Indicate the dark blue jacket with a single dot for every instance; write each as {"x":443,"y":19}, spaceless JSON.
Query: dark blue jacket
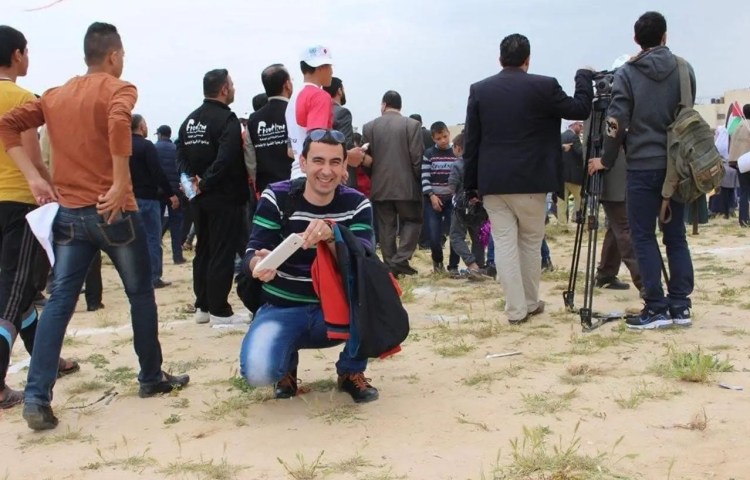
{"x":168,"y":159}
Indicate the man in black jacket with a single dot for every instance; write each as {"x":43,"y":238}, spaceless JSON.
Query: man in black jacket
{"x":513,"y":158}
{"x":342,"y":121}
{"x":572,"y":157}
{"x":148,"y":177}
{"x":266,"y":144}
{"x":645,"y":95}
{"x":210,"y":152}
{"x":168,"y":159}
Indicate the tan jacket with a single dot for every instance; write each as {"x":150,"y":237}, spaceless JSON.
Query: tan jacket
{"x":396,"y":148}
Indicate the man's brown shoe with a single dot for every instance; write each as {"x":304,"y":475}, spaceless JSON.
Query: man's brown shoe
{"x":287,"y":386}
{"x":356,"y":385}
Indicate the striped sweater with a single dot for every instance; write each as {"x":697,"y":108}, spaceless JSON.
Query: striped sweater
{"x":436,"y":168}
{"x":292,"y":285}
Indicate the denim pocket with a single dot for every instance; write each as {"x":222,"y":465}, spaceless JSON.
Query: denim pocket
{"x":62,"y":233}
{"x":119,"y":233}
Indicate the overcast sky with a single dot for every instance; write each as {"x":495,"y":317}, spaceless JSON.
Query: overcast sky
{"x":428,"y":50}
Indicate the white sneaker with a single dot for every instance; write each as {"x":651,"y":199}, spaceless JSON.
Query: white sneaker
{"x":201,"y":316}
{"x":235,"y":319}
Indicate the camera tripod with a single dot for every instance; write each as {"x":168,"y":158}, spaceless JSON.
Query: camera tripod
{"x":587,"y":216}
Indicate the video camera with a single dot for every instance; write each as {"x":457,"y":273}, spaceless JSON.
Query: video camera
{"x":603,"y":82}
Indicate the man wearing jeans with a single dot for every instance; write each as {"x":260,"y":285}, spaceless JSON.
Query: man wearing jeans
{"x":292,"y":318}
{"x":645,"y":95}
{"x":89,"y":127}
{"x":148,"y":177}
{"x":513,"y":157}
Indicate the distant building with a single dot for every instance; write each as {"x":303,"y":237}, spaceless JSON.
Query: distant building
{"x":714,"y":110}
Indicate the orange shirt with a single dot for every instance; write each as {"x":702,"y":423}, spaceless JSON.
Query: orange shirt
{"x":88,"y":122}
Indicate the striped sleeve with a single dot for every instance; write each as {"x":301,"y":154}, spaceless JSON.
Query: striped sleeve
{"x":266,"y":228}
{"x":426,"y":175}
{"x":361,"y":223}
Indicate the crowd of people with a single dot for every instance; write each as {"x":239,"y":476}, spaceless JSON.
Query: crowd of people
{"x":297,"y":165}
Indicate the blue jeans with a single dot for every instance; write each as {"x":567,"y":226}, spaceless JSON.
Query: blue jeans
{"x":270,"y":347}
{"x":437,"y":223}
{"x":546,"y":256}
{"x":78,"y":233}
{"x":150,"y":211}
{"x":643,"y":203}
{"x":174,"y":223}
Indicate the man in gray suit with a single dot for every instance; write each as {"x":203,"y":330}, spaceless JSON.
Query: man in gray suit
{"x":395,"y":159}
{"x":342,"y":121}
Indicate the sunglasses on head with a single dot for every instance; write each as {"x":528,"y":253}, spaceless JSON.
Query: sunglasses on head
{"x":321,"y":133}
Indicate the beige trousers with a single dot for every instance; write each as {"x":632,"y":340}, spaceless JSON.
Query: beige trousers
{"x":518,"y":230}
{"x":562,"y":203}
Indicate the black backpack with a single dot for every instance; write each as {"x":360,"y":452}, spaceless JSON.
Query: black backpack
{"x":381,"y":321}
{"x":249,"y":288}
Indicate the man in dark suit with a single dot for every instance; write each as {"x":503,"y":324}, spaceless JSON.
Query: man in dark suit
{"x":513,"y":158}
{"x":572,"y":170}
{"x":395,"y":157}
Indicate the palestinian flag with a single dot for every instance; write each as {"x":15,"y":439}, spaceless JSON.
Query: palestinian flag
{"x":734,"y":118}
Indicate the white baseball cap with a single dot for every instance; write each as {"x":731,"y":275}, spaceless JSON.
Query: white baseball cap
{"x":316,"y":56}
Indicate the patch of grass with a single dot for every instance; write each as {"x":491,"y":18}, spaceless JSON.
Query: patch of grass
{"x":236,"y":405}
{"x":487,"y":378}
{"x":407,"y":289}
{"x":744,"y":306}
{"x":304,"y":470}
{"x":67,"y":437}
{"x":594,"y":342}
{"x":721,"y":347}
{"x":72,"y":341}
{"x":231,"y":332}
{"x":453,"y":350}
{"x":547,"y":402}
{"x":735,"y":332}
{"x":87,"y":386}
{"x":180,"y":402}
{"x":133,"y":463}
{"x":121,"y":375}
{"x":464,"y":420}
{"x":324,"y":385}
{"x":350,"y":466}
{"x":718,"y":270}
{"x":643,"y":392}
{"x":579,"y":373}
{"x":338,"y":413}
{"x":182,"y":366}
{"x":691,"y":366}
{"x":172,"y":419}
{"x":97,"y":359}
{"x":557,"y":275}
{"x":448,"y":306}
{"x":238,"y":382}
{"x":728,"y":292}
{"x":105,"y":320}
{"x":382,"y":475}
{"x":534,"y":459}
{"x":222,"y":470}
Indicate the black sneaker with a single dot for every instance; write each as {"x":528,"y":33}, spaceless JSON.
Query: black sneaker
{"x":649,"y":320}
{"x":39,"y":417}
{"x":612,"y":283}
{"x":161,"y":283}
{"x":547,"y":266}
{"x":356,"y":385}
{"x":437,"y":267}
{"x":403,"y":269}
{"x":287,"y":386}
{"x":538,"y":311}
{"x":491,"y":270}
{"x":166,"y":385}
{"x":93,"y":308}
{"x":681,"y":316}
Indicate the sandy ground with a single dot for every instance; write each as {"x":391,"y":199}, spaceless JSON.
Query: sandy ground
{"x":445,"y":410}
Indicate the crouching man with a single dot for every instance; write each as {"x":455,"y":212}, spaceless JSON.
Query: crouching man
{"x":291,"y":317}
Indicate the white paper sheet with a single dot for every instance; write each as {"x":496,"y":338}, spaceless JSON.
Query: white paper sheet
{"x":40,"y":221}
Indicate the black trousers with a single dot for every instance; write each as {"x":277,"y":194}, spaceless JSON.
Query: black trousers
{"x":219,"y":228}
{"x":618,"y":247}
{"x":18,"y":258}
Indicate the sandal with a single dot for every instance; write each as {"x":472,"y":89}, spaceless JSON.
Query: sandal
{"x":12,"y":398}
{"x":73,"y":368}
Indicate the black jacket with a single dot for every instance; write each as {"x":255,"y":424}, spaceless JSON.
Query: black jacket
{"x":268,"y":136}
{"x":573,"y":158}
{"x":512,"y":132}
{"x":210,"y":146}
{"x":146,"y":172}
